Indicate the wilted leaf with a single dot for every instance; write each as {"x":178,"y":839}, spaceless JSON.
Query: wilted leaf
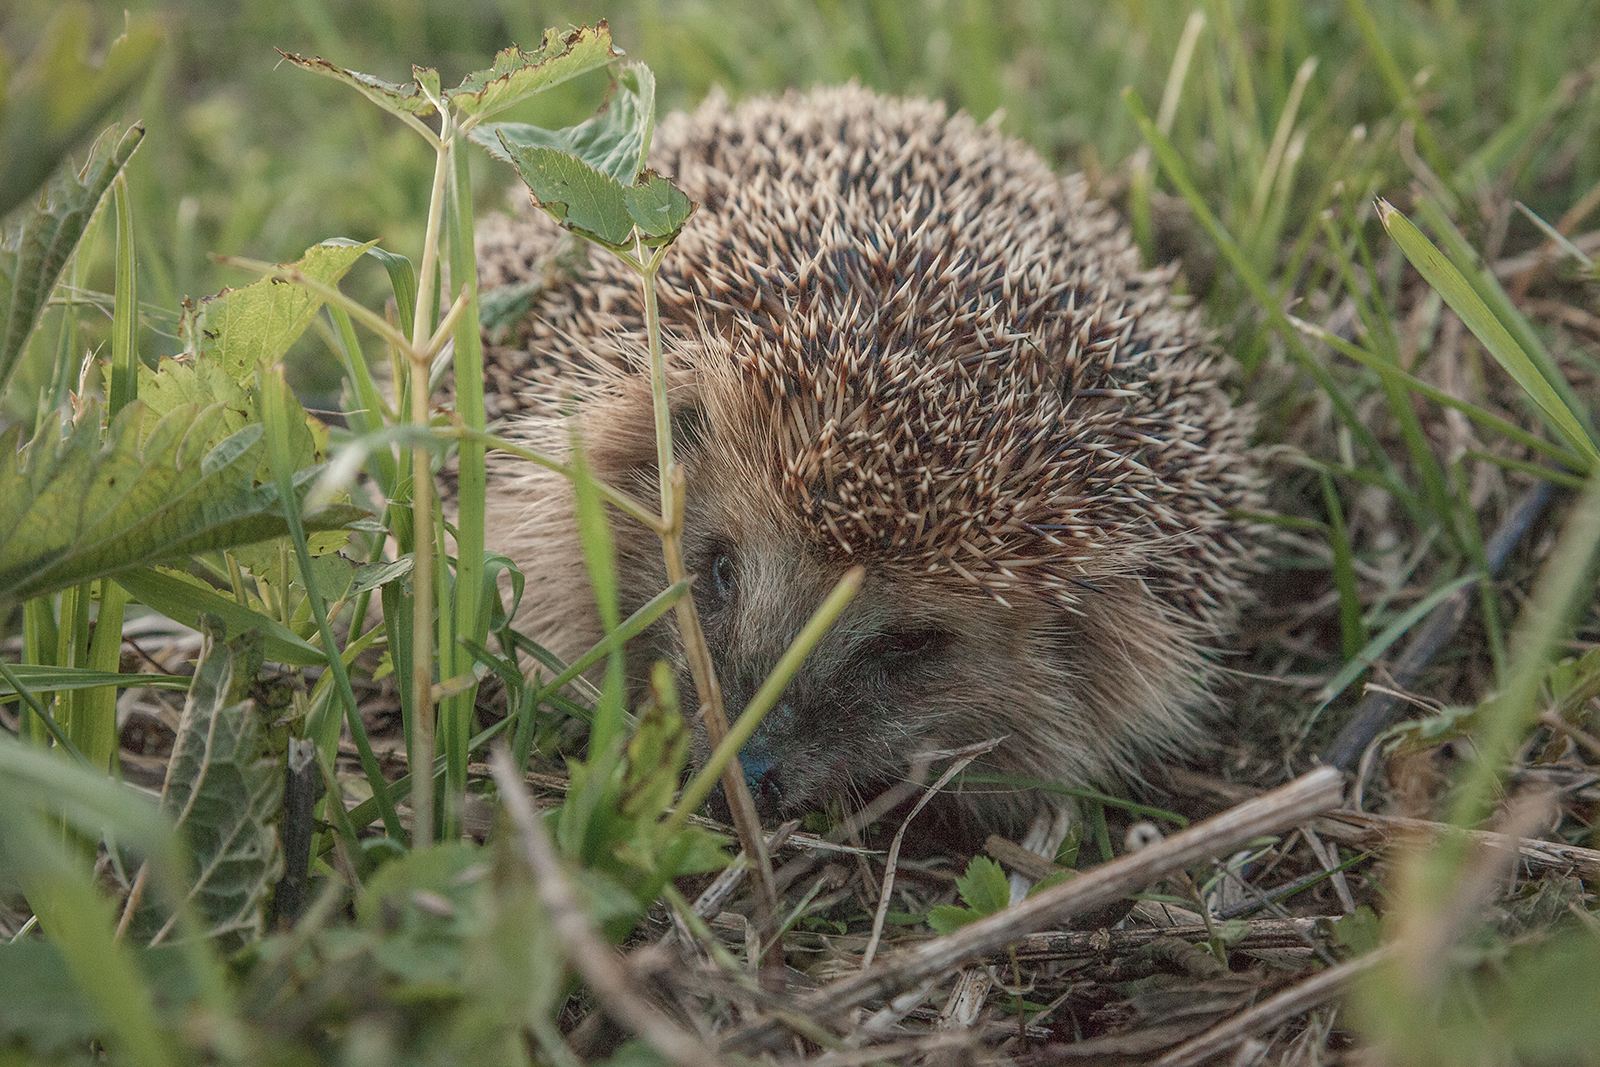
{"x":254,"y":325}
{"x":104,"y":499}
{"x":517,"y":75}
{"x":224,"y":792}
{"x":56,"y":98}
{"x":393,"y":97}
{"x":36,"y":241}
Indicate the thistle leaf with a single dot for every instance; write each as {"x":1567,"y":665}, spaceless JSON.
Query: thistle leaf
{"x":37,"y":240}
{"x":101,"y":499}
{"x":223,"y":792}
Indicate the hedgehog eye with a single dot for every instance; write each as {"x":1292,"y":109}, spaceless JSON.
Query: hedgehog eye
{"x":723,"y":577}
{"x":901,"y":645}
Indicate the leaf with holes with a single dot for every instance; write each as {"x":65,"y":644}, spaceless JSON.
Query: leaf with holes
{"x":254,"y":325}
{"x":517,"y":75}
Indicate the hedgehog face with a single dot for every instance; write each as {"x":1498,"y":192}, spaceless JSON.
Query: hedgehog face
{"x":917,"y":664}
{"x":863,"y":702}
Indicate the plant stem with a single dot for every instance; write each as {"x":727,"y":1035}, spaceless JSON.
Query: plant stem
{"x":421,"y":753}
{"x":745,"y":820}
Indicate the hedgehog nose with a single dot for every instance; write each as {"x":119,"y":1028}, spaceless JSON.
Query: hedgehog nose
{"x":761,"y":776}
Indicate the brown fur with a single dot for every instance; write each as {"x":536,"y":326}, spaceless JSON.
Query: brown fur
{"x":896,"y":339}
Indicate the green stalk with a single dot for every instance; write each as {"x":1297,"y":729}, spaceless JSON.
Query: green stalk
{"x":39,"y":636}
{"x":724,"y":757}
{"x":98,"y":707}
{"x":422,"y":726}
{"x":472,"y":481}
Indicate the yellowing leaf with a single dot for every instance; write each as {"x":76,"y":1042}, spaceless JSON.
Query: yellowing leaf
{"x":254,"y":325}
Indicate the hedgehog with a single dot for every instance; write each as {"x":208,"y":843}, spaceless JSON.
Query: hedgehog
{"x":895,"y":339}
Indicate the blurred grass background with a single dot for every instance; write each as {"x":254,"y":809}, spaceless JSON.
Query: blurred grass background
{"x":247,"y":156}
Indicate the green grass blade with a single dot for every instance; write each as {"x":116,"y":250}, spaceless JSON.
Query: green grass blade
{"x":1380,"y":644}
{"x":1565,"y":583}
{"x":274,"y":392}
{"x":1466,"y":260}
{"x":1464,"y":300}
{"x":185,"y":599}
{"x":1352,"y":628}
{"x":1173,"y":164}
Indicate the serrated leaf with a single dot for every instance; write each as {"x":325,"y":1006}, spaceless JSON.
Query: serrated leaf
{"x":223,"y":792}
{"x":398,"y":99}
{"x":614,"y":142}
{"x":573,"y":193}
{"x":203,"y":383}
{"x":517,"y":75}
{"x":55,"y":98}
{"x":657,"y":754}
{"x":98,"y":501}
{"x":657,"y":207}
{"x":37,"y":240}
{"x":254,"y":325}
{"x":947,"y":918}
{"x":984,"y":887}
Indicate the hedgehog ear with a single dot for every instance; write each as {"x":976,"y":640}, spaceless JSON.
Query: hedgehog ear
{"x":620,"y":435}
{"x":691,"y":429}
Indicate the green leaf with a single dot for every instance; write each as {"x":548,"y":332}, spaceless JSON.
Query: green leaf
{"x":573,"y":193}
{"x":224,"y":793}
{"x":403,"y":281}
{"x":203,"y":383}
{"x":36,"y":241}
{"x":39,"y":794}
{"x":657,"y":207}
{"x":657,"y":754}
{"x":584,"y":176}
{"x":615,"y":142}
{"x":517,"y":75}
{"x":947,"y":918}
{"x":1459,"y":294}
{"x":186,"y":598}
{"x":99,"y":500}
{"x":56,"y":98}
{"x":254,"y":325}
{"x":984,"y":887}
